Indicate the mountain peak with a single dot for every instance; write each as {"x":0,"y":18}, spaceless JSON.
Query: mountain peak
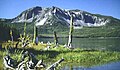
{"x":53,"y":14}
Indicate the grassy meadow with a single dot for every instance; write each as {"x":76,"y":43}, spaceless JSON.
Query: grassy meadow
{"x":77,"y":56}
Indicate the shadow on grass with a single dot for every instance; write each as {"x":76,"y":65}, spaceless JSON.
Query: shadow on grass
{"x":48,"y":53}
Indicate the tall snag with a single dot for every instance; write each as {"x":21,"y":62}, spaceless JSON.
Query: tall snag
{"x":70,"y":33}
{"x":55,"y":39}
{"x":35,"y":38}
{"x":11,"y":35}
{"x":24,"y":38}
{"x":24,"y":30}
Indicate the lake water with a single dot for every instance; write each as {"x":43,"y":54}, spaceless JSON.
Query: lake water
{"x":111,"y":44}
{"x":95,"y":43}
{"x":110,"y":66}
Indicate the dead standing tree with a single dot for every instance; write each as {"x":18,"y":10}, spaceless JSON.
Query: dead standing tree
{"x":24,"y":39}
{"x":55,"y":39}
{"x":11,"y":35}
{"x":70,"y":32}
{"x":35,"y":38}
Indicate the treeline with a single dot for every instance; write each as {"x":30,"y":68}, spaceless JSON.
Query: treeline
{"x":110,"y":30}
{"x":44,"y":29}
{"x":5,"y":29}
{"x":103,"y":31}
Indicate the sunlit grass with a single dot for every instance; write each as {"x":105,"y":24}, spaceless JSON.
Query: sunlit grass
{"x":77,"y":56}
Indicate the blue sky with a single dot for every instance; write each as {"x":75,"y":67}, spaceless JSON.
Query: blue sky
{"x":12,"y":8}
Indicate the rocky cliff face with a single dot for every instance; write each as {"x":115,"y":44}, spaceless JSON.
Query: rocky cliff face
{"x":43,"y":16}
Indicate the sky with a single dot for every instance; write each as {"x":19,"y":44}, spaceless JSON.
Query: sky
{"x":12,"y":8}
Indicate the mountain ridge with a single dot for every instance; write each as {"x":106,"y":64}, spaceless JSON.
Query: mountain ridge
{"x":53,"y":18}
{"x":43,"y":15}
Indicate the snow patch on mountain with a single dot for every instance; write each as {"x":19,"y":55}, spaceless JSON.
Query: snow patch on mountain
{"x":81,"y":18}
{"x":41,"y":22}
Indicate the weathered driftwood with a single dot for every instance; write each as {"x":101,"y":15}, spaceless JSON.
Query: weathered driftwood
{"x":21,"y":66}
{"x":9,"y":62}
{"x":54,"y":65}
{"x":40,"y":64}
{"x":31,"y":64}
{"x":34,"y":63}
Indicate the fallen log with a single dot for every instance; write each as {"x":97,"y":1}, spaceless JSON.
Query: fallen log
{"x":40,"y":64}
{"x":54,"y":65}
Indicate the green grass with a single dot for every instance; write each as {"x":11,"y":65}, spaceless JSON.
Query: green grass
{"x":76,"y":56}
{"x":87,"y":57}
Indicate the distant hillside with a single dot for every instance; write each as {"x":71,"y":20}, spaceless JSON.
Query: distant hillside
{"x":55,"y":19}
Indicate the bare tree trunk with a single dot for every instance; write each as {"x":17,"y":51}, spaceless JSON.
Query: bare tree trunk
{"x":34,"y":34}
{"x":24,"y":29}
{"x":11,"y":35}
{"x":70,"y":33}
{"x":70,"y":41}
{"x":55,"y":39}
{"x":35,"y":39}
